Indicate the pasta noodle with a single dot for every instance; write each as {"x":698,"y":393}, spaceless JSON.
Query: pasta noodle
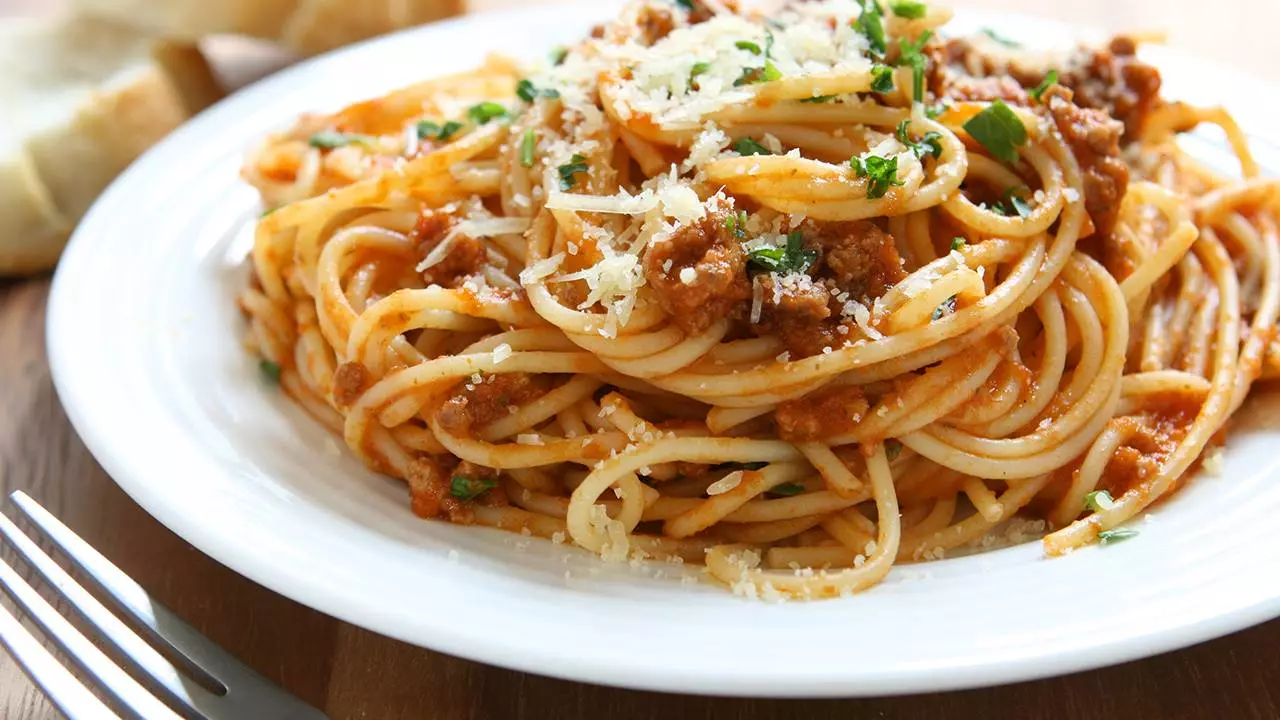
{"x":797,"y":296}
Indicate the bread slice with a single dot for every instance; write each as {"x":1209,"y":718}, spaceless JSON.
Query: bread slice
{"x":83,"y":98}
{"x":321,"y":25}
{"x":192,"y":20}
{"x":32,"y":231}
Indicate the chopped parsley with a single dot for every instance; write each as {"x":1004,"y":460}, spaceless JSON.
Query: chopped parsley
{"x":1116,"y":535}
{"x":695,"y":71}
{"x":871,"y":24}
{"x":528,"y":92}
{"x":881,"y":173}
{"x":909,"y":9}
{"x":484,"y":112}
{"x":736,"y":224}
{"x":527,"y":146}
{"x":913,"y":54}
{"x":819,"y":99}
{"x":686,"y":4}
{"x":934,"y":112}
{"x":267,"y":212}
{"x":927,"y":145}
{"x":1099,"y":500}
{"x":746,"y":146}
{"x":1000,"y":38}
{"x":270,"y":370}
{"x":787,"y":489}
{"x":958,"y":242}
{"x":999,"y":130}
{"x":558,"y":54}
{"x":568,"y":171}
{"x":753,"y":75}
{"x":468,"y":488}
{"x":892,"y":449}
{"x":795,"y":257}
{"x":428,"y":130}
{"x":1011,"y":203}
{"x":329,"y":139}
{"x":768,"y":73}
{"x":881,"y":78}
{"x":947,"y":307}
{"x":1050,"y":79}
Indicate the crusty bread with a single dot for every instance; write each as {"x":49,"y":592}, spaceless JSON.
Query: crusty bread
{"x":195,"y":19}
{"x":321,"y":25}
{"x":32,"y":231}
{"x":83,"y":98}
{"x":307,"y":27}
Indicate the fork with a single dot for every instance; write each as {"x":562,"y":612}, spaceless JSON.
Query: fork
{"x":201,"y":682}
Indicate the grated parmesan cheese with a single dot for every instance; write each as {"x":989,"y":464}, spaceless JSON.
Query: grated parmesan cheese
{"x":725,"y":484}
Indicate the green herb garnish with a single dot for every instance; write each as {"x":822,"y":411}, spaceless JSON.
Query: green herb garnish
{"x":428,"y":130}
{"x":1049,"y":81}
{"x":819,"y":99}
{"x":881,"y":78}
{"x":1099,"y":500}
{"x":695,"y":71}
{"x":958,"y":242}
{"x":749,"y":46}
{"x":1116,"y":535}
{"x":881,"y":173}
{"x":934,"y":112}
{"x":528,"y":92}
{"x":527,"y":146}
{"x":577,"y":164}
{"x":558,"y":54}
{"x":947,"y":307}
{"x":909,"y":9}
{"x":329,"y":139}
{"x":928,"y":144}
{"x":468,"y":488}
{"x":746,"y":146}
{"x":1000,"y":38}
{"x":736,"y":224}
{"x":1011,"y":203}
{"x":484,"y":112}
{"x":870,"y":23}
{"x":787,"y":489}
{"x":999,"y":130}
{"x":913,"y":54}
{"x":270,"y":370}
{"x":686,"y":4}
{"x":753,"y":75}
{"x":892,"y":449}
{"x":793,"y":258}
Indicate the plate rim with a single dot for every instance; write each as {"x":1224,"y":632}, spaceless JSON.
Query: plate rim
{"x":97,"y":437}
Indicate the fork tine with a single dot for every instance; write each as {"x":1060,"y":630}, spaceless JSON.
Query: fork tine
{"x":108,"y":626}
{"x":248,"y":694}
{"x":111,"y":679}
{"x":58,"y":684}
{"x":203,"y":656}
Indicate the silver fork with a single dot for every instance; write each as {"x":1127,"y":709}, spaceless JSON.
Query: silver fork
{"x":201,"y":682}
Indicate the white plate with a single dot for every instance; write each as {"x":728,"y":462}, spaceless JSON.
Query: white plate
{"x":144,"y":346}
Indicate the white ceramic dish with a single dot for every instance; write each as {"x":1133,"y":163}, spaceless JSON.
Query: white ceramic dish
{"x":144,"y":346}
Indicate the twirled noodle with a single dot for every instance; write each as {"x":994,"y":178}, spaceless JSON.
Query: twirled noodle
{"x":773,"y":295}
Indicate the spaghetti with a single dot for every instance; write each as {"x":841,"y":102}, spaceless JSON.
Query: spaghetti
{"x":797,"y":297}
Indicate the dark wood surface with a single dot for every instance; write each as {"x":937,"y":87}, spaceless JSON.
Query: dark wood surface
{"x":351,"y":673}
{"x":355,"y":674}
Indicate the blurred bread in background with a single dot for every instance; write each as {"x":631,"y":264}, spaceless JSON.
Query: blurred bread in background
{"x":306,"y":27}
{"x":85,"y":93}
{"x":83,"y":97}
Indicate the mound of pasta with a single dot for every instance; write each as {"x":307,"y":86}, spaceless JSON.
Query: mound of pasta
{"x":797,"y":296}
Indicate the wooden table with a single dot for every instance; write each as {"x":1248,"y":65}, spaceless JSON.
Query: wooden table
{"x":352,"y":673}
